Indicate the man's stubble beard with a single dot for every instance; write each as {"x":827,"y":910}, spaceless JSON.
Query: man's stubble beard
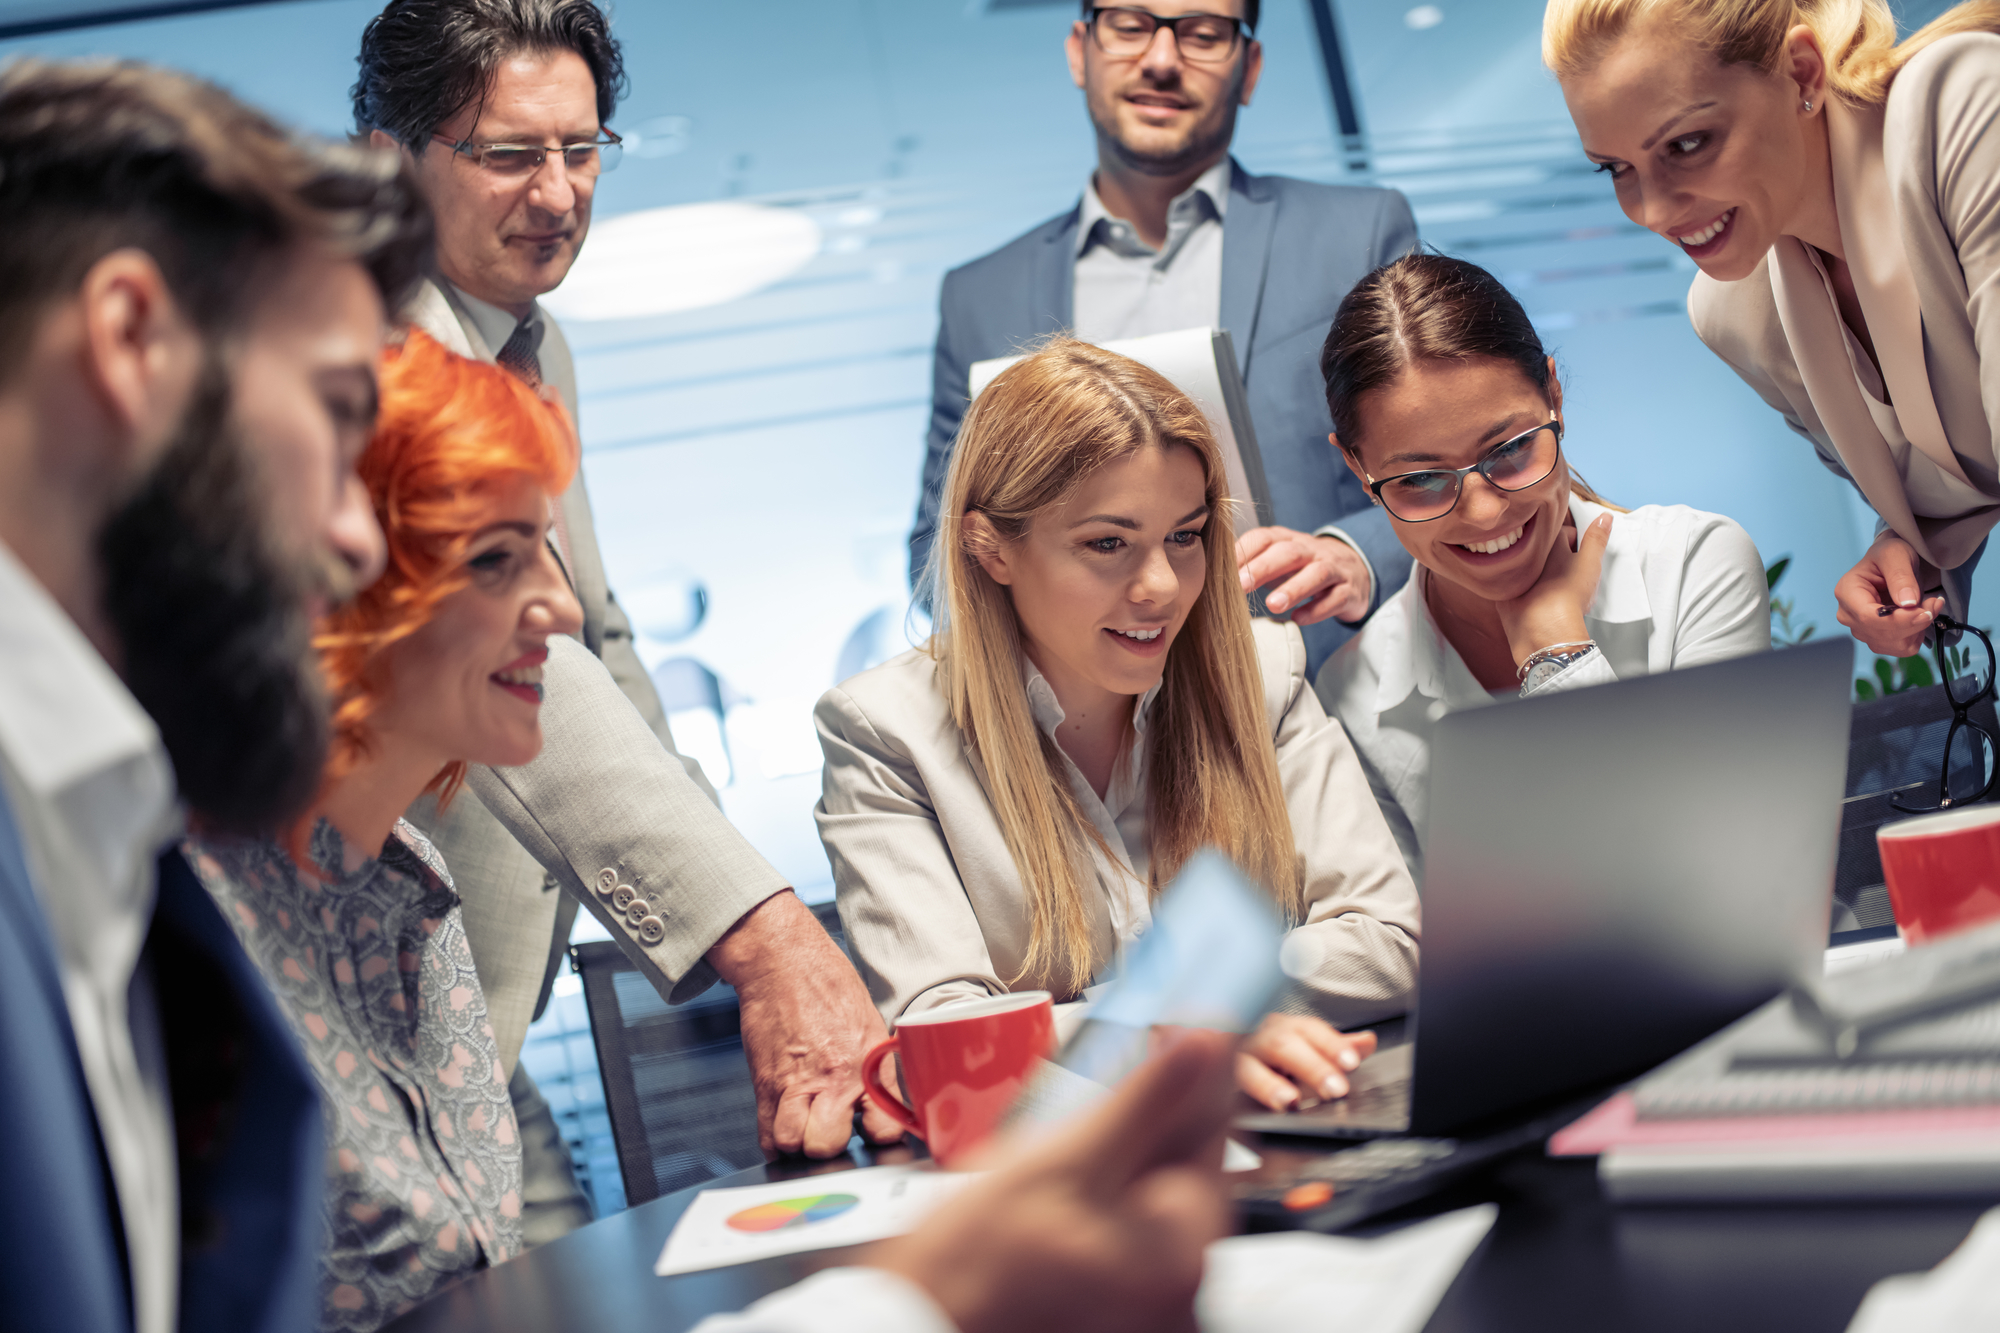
{"x":213,"y":627}
{"x":1197,"y":148}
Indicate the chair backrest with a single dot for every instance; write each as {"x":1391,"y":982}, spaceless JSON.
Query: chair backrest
{"x":678,"y":1090}
{"x":1895,"y":746}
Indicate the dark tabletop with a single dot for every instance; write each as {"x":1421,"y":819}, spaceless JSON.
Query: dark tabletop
{"x":1559,"y":1258}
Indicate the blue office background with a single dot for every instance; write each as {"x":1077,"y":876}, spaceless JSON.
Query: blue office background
{"x":753,"y":316}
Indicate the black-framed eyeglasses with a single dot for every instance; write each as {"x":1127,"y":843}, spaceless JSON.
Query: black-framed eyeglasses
{"x":1511,"y":465}
{"x":591,"y":158}
{"x":1204,"y":39}
{"x":1965,"y":668}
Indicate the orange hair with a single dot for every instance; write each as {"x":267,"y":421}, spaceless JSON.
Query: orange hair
{"x":449,"y":430}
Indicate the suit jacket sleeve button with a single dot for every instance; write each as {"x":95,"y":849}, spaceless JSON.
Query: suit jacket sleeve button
{"x":652,"y":930}
{"x":638,"y":910}
{"x":607,"y":880}
{"x":621,"y":897}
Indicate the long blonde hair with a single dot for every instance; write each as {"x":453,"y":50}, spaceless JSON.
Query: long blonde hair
{"x":1031,"y":439}
{"x":1858,"y":36}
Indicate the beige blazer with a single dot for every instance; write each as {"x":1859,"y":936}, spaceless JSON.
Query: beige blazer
{"x":1917,"y":189}
{"x":933,"y":906}
{"x":609,"y":794}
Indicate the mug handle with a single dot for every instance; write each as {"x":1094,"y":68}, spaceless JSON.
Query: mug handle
{"x":889,"y":1103}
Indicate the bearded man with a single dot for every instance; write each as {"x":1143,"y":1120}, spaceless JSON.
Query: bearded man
{"x":1171,"y":233}
{"x":192,"y":302}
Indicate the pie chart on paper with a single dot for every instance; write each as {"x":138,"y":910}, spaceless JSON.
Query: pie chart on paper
{"x":792,"y":1212}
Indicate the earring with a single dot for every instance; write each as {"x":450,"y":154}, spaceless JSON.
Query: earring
{"x":1807,"y":106}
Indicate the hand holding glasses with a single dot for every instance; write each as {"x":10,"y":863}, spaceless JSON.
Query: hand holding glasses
{"x":1966,"y":669}
{"x":1204,"y":39}
{"x":590,"y":158}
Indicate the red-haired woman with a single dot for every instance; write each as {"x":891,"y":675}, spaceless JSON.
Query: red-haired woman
{"x":355,"y":924}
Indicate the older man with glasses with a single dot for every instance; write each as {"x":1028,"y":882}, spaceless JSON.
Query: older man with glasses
{"x":501,"y":107}
{"x":1172,"y":233}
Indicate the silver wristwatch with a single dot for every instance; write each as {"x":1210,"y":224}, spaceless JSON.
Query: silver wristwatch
{"x":1544,"y":666}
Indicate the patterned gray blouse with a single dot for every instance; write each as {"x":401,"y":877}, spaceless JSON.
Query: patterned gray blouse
{"x":372,"y":968}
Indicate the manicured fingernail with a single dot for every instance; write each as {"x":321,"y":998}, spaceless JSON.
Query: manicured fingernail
{"x":1277,"y":603}
{"x":1347,"y":1059}
{"x":1907,"y":602}
{"x":1303,"y":1104}
{"x":1244,"y":579}
{"x":1928,"y":617}
{"x":1335,"y":1086}
{"x":1291,"y":1101}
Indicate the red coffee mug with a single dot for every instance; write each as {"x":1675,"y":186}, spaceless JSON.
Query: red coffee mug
{"x":1943,"y":870}
{"x":963,"y":1065}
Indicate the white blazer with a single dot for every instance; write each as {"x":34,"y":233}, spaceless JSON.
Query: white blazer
{"x":933,"y":906}
{"x":1679,"y":588}
{"x":1917,"y":191}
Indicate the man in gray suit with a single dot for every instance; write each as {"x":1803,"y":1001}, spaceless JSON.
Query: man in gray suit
{"x":1170,"y":234}
{"x":500,"y":106}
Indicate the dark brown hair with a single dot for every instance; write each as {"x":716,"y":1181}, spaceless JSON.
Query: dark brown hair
{"x":100,"y":156}
{"x":424,"y":61}
{"x":1250,"y":8}
{"x":1425,"y":307}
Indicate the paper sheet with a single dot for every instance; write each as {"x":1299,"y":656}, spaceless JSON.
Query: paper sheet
{"x":736,"y":1226}
{"x":1960,"y":1295}
{"x":1289,"y":1281}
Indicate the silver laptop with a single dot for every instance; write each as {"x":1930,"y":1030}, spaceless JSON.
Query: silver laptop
{"x":1612,"y":874}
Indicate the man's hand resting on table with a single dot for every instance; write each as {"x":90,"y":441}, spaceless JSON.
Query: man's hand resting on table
{"x":1098,"y":1228}
{"x":1886,"y":578}
{"x":807,"y":1021}
{"x":1324,"y":577}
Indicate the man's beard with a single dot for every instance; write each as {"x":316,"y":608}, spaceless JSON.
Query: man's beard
{"x":213,"y":628}
{"x":1201,"y":143}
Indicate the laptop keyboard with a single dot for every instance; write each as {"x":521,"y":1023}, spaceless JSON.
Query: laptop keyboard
{"x":1378,"y":1159}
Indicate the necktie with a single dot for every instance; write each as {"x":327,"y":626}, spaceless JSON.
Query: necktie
{"x":518,"y":355}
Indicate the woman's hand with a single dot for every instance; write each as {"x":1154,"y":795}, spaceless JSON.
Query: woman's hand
{"x":1551,"y":611}
{"x":1292,"y":1061}
{"x":1886,"y":577}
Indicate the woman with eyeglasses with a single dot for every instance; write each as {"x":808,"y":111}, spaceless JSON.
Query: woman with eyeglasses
{"x":1002,"y":805}
{"x":1448,"y":408}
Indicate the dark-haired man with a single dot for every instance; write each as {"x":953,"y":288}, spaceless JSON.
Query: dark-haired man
{"x":1171,"y":234}
{"x":500,"y":106}
{"x":191,"y":306}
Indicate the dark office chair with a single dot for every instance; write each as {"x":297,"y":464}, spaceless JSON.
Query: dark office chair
{"x":1895,"y":747}
{"x":682,"y":1108}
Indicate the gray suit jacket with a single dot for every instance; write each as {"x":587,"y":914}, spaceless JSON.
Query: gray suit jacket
{"x":609,"y":797}
{"x":1291,"y":250}
{"x":1917,"y":195}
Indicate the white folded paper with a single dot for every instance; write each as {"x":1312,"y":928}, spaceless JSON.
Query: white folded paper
{"x":1287,"y":1281}
{"x":1960,"y":1295}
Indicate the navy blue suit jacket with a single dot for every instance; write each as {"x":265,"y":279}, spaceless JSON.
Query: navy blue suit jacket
{"x":246,"y":1114}
{"x":1291,"y":249}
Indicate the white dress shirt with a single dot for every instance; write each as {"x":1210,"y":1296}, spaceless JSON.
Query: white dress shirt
{"x":90,"y":787}
{"x":840,"y":1300}
{"x":1127,"y":289}
{"x":1679,"y":588}
{"x":496,"y":325}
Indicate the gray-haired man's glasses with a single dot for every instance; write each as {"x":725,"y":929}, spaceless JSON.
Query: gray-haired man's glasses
{"x":592,"y":158}
{"x":1204,"y":39}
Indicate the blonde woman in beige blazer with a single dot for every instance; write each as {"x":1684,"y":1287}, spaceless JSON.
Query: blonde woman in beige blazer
{"x":1841,"y":195}
{"x":1086,"y":712}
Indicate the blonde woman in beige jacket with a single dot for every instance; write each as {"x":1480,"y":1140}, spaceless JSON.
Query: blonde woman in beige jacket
{"x":1840,"y":194}
{"x":1002,"y":806}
